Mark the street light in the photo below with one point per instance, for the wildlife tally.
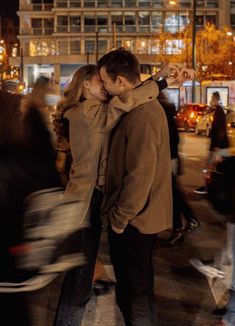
(194, 47)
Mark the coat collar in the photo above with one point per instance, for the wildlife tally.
(143, 93)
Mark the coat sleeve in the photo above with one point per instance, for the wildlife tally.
(140, 164)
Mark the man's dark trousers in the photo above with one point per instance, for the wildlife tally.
(131, 255)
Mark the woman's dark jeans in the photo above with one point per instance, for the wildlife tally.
(77, 285)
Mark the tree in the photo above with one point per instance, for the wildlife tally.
(215, 50)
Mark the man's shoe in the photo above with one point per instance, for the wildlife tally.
(200, 190)
(192, 225)
(219, 312)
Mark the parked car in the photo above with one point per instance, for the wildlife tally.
(204, 121)
(188, 113)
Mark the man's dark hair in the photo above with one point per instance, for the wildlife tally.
(216, 94)
(121, 62)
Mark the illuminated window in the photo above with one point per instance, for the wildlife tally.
(102, 23)
(185, 3)
(129, 44)
(42, 26)
(75, 46)
(74, 3)
(61, 3)
(102, 46)
(89, 46)
(155, 47)
(183, 20)
(130, 23)
(232, 20)
(144, 3)
(117, 18)
(212, 3)
(75, 24)
(116, 3)
(157, 3)
(211, 17)
(143, 20)
(89, 3)
(130, 3)
(90, 23)
(172, 23)
(156, 22)
(41, 48)
(174, 46)
(201, 3)
(142, 46)
(48, 24)
(199, 20)
(103, 3)
(62, 46)
(42, 5)
(62, 24)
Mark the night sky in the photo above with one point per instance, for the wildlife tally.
(8, 8)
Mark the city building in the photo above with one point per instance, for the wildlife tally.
(8, 42)
(58, 36)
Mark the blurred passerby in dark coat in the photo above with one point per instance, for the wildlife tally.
(180, 204)
(13, 189)
(27, 164)
(219, 138)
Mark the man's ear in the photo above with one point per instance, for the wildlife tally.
(120, 80)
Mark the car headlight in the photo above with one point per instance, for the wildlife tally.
(191, 115)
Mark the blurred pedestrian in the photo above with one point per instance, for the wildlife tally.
(27, 164)
(219, 137)
(181, 208)
(41, 155)
(13, 189)
(30, 167)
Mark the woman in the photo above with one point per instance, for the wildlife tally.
(90, 119)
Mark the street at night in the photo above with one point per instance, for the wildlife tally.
(117, 137)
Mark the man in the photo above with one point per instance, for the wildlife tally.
(219, 138)
(138, 189)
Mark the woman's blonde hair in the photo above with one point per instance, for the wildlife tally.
(73, 93)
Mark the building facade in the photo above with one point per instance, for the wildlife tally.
(58, 36)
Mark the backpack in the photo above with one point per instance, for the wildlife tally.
(53, 228)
